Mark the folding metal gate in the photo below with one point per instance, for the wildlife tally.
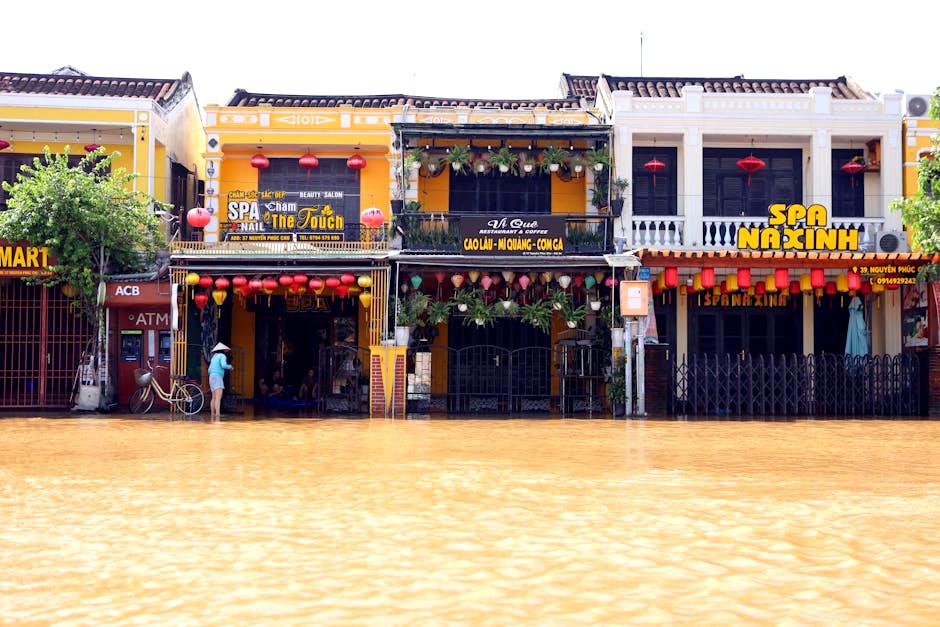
(42, 336)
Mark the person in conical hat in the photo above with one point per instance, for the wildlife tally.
(217, 367)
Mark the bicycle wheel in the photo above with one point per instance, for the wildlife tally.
(141, 400)
(189, 399)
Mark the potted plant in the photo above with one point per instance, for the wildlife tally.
(459, 157)
(505, 159)
(413, 159)
(482, 164)
(526, 164)
(597, 159)
(538, 314)
(439, 311)
(559, 300)
(432, 164)
(617, 388)
(409, 316)
(576, 163)
(573, 315)
(616, 204)
(463, 299)
(600, 192)
(479, 313)
(595, 302)
(553, 157)
(508, 308)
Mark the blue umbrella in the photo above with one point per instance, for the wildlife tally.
(856, 339)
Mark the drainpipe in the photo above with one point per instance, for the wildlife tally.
(641, 368)
(628, 366)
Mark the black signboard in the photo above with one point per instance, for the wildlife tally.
(275, 216)
(512, 235)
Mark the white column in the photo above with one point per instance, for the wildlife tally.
(809, 324)
(892, 175)
(213, 201)
(691, 203)
(623, 169)
(820, 162)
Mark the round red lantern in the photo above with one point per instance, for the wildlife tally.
(285, 280)
(255, 285)
(817, 278)
(347, 279)
(781, 277)
(332, 282)
(760, 288)
(308, 162)
(672, 277)
(342, 290)
(239, 281)
(259, 161)
(708, 278)
(205, 282)
(222, 283)
(201, 299)
(854, 280)
(831, 288)
(794, 287)
(865, 288)
(4, 144)
(744, 278)
(198, 217)
(751, 164)
(300, 280)
(269, 284)
(654, 166)
(372, 217)
(92, 147)
(316, 284)
(356, 162)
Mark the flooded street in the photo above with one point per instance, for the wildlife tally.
(381, 522)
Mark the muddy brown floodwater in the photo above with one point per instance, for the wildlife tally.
(382, 522)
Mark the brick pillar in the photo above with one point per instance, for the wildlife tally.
(657, 379)
(398, 395)
(387, 381)
(933, 383)
(376, 387)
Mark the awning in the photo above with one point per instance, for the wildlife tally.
(301, 266)
(529, 262)
(774, 259)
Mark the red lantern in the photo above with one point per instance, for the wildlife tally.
(316, 284)
(222, 283)
(198, 217)
(205, 282)
(269, 284)
(760, 288)
(781, 277)
(4, 144)
(255, 285)
(300, 280)
(342, 290)
(865, 289)
(854, 280)
(308, 162)
(244, 291)
(654, 165)
(347, 279)
(259, 161)
(817, 278)
(672, 277)
(751, 164)
(708, 278)
(285, 280)
(201, 299)
(831, 288)
(852, 168)
(372, 217)
(92, 147)
(892, 286)
(332, 282)
(579, 280)
(724, 287)
(794, 287)
(744, 278)
(239, 282)
(440, 276)
(356, 162)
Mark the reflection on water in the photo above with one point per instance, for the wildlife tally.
(366, 521)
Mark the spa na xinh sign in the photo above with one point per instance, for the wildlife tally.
(795, 227)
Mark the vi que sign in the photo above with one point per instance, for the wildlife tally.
(529, 235)
(796, 227)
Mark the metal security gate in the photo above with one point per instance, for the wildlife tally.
(796, 385)
(42, 336)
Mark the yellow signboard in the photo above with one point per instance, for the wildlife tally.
(23, 260)
(795, 227)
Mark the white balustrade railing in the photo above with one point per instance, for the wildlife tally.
(722, 232)
(658, 231)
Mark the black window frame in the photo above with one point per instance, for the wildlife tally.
(492, 192)
(719, 167)
(848, 190)
(649, 198)
(284, 174)
(775, 335)
(10, 165)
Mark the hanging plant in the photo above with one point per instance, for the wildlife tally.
(505, 160)
(480, 314)
(539, 315)
(439, 311)
(410, 310)
(463, 299)
(527, 164)
(459, 158)
(413, 159)
(559, 300)
(573, 315)
(507, 308)
(553, 158)
(597, 159)
(577, 163)
(482, 164)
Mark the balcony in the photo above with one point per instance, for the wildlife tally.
(354, 240)
(435, 233)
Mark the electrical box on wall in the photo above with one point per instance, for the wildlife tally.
(634, 298)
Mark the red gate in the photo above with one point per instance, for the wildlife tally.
(42, 336)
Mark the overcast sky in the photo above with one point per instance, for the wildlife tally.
(471, 49)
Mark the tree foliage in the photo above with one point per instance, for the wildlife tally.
(79, 211)
(921, 212)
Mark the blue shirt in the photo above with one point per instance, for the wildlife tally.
(218, 365)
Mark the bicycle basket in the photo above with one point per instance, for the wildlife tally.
(142, 377)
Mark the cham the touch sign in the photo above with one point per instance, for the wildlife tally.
(312, 215)
(795, 227)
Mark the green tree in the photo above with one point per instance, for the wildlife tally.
(87, 215)
(921, 212)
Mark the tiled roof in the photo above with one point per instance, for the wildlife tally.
(581, 86)
(242, 98)
(165, 91)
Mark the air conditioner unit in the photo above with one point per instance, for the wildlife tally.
(891, 242)
(917, 106)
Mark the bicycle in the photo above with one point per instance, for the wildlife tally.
(186, 398)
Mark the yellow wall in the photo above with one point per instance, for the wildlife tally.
(434, 192)
(160, 174)
(568, 196)
(920, 132)
(243, 337)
